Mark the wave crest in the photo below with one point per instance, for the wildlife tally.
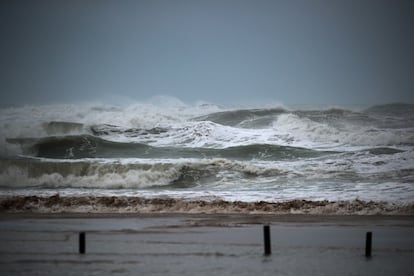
(24, 173)
(86, 146)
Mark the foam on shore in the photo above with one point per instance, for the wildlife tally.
(122, 204)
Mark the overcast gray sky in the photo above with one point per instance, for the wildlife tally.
(221, 51)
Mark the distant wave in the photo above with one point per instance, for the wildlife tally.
(86, 146)
(399, 109)
(378, 126)
(236, 117)
(263, 117)
(106, 129)
(60, 127)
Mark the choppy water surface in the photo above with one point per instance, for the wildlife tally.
(210, 152)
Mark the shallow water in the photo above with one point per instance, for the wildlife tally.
(197, 245)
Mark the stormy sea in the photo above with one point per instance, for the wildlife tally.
(167, 156)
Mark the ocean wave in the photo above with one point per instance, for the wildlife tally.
(311, 133)
(331, 128)
(263, 153)
(109, 130)
(344, 175)
(60, 127)
(243, 117)
(395, 109)
(122, 204)
(383, 150)
(264, 117)
(259, 118)
(23, 173)
(87, 146)
(207, 126)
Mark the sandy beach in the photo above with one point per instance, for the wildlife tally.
(203, 244)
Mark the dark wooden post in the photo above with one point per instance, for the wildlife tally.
(82, 243)
(368, 245)
(267, 244)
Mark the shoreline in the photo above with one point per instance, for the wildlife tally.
(227, 220)
(166, 205)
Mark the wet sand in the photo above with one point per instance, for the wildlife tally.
(204, 244)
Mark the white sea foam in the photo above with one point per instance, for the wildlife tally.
(373, 158)
(16, 177)
(287, 128)
(305, 132)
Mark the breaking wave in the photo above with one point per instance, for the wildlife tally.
(23, 173)
(54, 127)
(198, 127)
(151, 148)
(255, 118)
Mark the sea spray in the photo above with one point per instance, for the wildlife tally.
(204, 151)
